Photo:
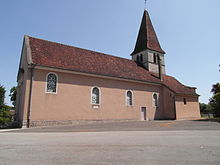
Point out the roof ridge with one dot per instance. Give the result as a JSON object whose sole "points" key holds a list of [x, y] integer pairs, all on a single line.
{"points": [[79, 48]]}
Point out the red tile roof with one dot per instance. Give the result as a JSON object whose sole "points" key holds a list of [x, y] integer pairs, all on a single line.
{"points": [[147, 38], [51, 54], [176, 86]]}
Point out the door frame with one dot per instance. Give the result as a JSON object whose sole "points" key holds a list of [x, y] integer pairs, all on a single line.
{"points": [[143, 117]]}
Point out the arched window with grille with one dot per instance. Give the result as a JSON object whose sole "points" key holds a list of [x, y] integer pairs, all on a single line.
{"points": [[155, 100], [95, 95], [129, 98], [51, 83]]}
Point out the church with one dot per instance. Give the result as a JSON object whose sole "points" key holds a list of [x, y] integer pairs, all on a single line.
{"points": [[62, 84]]}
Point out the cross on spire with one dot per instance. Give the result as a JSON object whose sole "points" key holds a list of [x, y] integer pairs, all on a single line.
{"points": [[145, 4]]}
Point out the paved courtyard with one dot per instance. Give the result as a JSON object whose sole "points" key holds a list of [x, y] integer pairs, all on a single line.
{"points": [[122, 143]]}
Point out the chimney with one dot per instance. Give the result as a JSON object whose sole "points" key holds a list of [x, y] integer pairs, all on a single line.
{"points": [[159, 67]]}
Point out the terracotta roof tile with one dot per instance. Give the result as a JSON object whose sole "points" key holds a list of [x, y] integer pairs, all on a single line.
{"points": [[51, 54], [176, 86]]}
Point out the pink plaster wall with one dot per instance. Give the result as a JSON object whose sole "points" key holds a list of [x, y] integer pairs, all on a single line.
{"points": [[169, 104], [73, 99], [23, 90], [190, 110]]}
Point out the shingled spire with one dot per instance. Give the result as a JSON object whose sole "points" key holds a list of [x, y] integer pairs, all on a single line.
{"points": [[147, 38]]}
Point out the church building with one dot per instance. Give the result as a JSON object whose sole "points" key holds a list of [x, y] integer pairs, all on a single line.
{"points": [[62, 84]]}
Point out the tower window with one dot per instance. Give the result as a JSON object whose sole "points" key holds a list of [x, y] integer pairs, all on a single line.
{"points": [[138, 58], [155, 58], [141, 57]]}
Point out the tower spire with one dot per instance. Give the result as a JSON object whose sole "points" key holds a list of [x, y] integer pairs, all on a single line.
{"points": [[147, 38], [148, 52]]}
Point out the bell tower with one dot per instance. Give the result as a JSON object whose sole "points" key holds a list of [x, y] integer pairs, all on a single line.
{"points": [[147, 52]]}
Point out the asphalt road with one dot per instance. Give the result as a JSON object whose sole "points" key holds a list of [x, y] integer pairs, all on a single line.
{"points": [[171, 143], [107, 148]]}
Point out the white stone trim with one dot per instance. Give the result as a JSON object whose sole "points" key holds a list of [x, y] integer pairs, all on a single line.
{"points": [[56, 83]]}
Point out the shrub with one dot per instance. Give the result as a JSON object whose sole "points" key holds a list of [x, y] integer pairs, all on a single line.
{"points": [[5, 115]]}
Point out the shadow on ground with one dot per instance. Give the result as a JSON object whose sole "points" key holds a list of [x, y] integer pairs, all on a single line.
{"points": [[209, 120], [158, 125]]}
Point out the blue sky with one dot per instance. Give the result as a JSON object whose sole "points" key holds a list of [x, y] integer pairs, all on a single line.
{"points": [[188, 30]]}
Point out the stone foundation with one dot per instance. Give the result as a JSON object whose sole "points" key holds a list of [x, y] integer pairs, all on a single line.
{"points": [[46, 123]]}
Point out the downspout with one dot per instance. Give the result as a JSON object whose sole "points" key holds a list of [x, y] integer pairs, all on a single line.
{"points": [[30, 97], [174, 102]]}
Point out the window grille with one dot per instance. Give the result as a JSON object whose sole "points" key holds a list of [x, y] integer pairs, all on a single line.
{"points": [[51, 83], [129, 98], [95, 95]]}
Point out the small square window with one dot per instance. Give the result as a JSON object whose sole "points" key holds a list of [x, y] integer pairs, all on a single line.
{"points": [[184, 101]]}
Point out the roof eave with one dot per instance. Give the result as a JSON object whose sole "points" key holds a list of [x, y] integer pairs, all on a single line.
{"points": [[37, 66], [135, 52]]}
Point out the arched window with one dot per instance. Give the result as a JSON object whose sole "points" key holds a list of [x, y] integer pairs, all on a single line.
{"points": [[51, 83], [95, 95], [129, 98], [155, 100]]}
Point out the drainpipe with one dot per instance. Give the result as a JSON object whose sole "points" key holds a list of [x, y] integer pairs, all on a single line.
{"points": [[29, 99], [174, 107], [159, 67]]}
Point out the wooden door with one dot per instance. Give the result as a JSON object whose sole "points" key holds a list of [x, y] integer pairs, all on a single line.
{"points": [[143, 113]]}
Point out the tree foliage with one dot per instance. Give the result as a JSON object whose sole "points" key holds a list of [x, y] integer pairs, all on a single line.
{"points": [[215, 88], [13, 93], [215, 100], [2, 95], [5, 114], [205, 108]]}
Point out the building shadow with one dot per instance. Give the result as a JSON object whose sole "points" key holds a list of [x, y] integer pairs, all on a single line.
{"points": [[209, 119]]}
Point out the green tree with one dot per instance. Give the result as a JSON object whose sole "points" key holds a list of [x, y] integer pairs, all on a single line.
{"points": [[205, 108], [215, 88], [13, 93], [5, 115], [2, 95], [215, 100]]}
